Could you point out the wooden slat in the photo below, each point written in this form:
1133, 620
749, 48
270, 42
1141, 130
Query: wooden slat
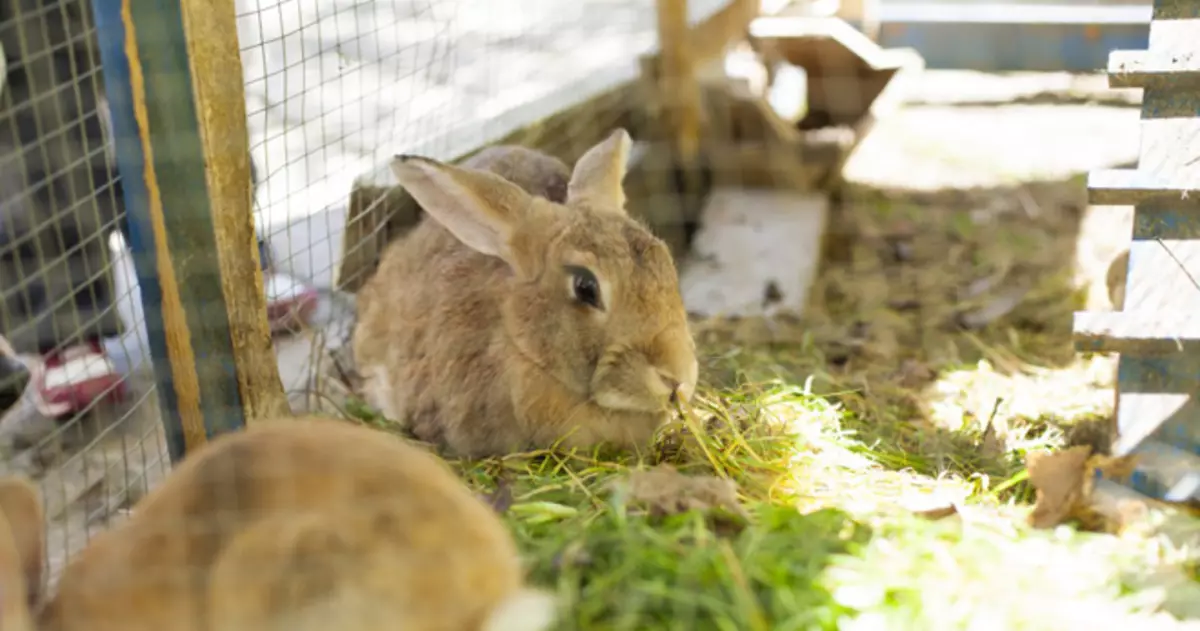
212, 48
1157, 333
1166, 472
1140, 333
710, 38
1154, 68
1176, 10
678, 91
1120, 187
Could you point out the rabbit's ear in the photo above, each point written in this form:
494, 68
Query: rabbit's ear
22, 546
598, 174
478, 208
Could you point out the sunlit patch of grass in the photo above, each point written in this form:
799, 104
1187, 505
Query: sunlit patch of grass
837, 427
984, 572
831, 542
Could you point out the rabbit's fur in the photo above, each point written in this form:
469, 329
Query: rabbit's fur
535, 172
22, 546
302, 524
472, 331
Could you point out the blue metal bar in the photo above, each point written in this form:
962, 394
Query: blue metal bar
1014, 36
138, 231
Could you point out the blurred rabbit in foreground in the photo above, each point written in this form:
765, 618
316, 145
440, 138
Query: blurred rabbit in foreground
291, 524
506, 321
22, 550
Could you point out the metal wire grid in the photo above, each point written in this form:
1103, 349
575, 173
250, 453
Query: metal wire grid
335, 89
65, 277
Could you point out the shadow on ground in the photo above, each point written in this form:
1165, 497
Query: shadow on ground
935, 316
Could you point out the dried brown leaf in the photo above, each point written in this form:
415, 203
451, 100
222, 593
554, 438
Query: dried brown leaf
933, 511
992, 445
913, 373
1063, 483
1066, 490
665, 490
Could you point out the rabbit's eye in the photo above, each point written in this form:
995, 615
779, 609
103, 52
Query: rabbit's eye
585, 286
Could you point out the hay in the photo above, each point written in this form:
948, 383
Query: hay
887, 394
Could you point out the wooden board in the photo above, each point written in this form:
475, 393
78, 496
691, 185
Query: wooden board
756, 252
846, 70
1157, 331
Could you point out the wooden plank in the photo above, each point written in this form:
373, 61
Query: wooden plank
1140, 333
996, 37
216, 65
847, 71
1013, 13
1158, 372
856, 44
1176, 10
1152, 69
127, 144
185, 382
1120, 187
1164, 266
710, 38
679, 92
756, 252
177, 157
1165, 472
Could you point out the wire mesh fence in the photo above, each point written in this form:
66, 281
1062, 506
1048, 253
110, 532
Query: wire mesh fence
335, 91
87, 423
740, 129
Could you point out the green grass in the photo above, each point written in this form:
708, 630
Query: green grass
829, 542
837, 428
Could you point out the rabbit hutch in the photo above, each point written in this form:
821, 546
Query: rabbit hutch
184, 242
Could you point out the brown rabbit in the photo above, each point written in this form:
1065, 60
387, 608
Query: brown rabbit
302, 524
22, 552
505, 321
535, 172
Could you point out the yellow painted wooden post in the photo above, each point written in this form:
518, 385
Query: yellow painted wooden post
679, 92
181, 143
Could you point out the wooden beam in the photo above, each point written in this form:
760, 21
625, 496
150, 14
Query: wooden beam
1121, 187
679, 92
1136, 332
710, 38
1153, 68
216, 64
207, 264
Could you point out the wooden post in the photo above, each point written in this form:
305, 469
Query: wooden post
182, 150
110, 31
679, 92
212, 47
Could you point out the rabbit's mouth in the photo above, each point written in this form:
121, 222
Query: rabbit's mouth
619, 401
